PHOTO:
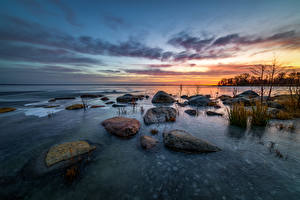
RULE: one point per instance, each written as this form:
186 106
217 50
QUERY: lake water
121 169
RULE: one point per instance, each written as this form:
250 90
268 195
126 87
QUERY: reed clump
238 115
260 115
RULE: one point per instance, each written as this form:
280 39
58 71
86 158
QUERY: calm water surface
121 169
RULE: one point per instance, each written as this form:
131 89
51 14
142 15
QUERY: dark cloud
159 72
159 65
189 42
61 69
30 75
13 52
109 71
68 12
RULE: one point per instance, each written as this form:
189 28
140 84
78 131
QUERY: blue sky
64 41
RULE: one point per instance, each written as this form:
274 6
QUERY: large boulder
127 98
180 140
199 101
224 97
248 94
160 115
67 151
148 142
122 126
7 109
273 104
238 100
162 97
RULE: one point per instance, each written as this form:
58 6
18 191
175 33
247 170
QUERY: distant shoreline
131 84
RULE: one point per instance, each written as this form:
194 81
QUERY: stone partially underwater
180 140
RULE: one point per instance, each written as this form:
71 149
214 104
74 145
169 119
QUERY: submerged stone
7 109
180 140
75 107
148 142
67 151
212 113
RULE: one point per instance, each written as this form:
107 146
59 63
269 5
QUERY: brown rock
74 107
97 106
148 142
4 110
122 126
67 151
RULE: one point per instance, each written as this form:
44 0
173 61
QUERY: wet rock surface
248 94
75 107
122 126
67 151
199 101
212 113
148 142
160 115
162 97
61 98
180 140
191 112
7 109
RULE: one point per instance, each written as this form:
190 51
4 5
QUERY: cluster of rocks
177 140
246 98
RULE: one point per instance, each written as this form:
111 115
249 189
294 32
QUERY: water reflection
236 132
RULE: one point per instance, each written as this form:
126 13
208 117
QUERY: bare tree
260 72
272 71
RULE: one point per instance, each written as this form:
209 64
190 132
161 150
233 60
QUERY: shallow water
121 169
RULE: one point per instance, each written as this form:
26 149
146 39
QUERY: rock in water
92 96
148 142
75 107
162 97
199 101
4 110
224 97
127 98
67 151
191 112
183 141
160 115
122 126
248 94
212 113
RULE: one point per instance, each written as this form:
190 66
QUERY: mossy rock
75 107
5 110
67 151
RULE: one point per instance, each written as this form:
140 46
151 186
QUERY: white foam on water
41 112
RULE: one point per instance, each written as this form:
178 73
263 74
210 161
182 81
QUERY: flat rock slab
148 142
5 110
160 115
122 126
67 151
180 140
212 113
74 107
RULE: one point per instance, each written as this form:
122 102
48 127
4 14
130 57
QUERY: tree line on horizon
276 79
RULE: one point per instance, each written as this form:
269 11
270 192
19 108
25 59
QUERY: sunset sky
140 41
